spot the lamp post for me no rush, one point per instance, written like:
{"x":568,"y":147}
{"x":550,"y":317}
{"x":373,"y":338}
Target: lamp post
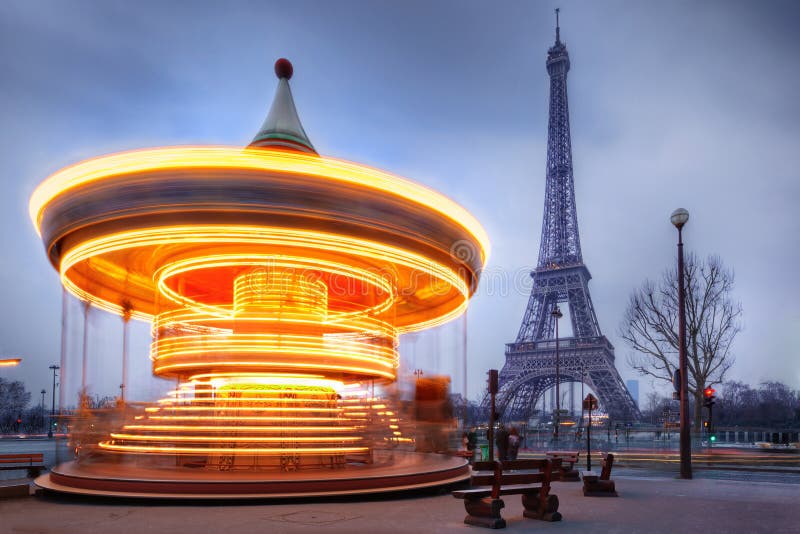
{"x":55,"y":368}
{"x":583,"y":379}
{"x":41,"y":407}
{"x":679,"y":218}
{"x":556,"y":313}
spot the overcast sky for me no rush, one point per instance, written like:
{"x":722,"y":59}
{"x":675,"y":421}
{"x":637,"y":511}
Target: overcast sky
{"x":673,"y":104}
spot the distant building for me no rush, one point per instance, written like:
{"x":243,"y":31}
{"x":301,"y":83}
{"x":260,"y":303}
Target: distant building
{"x":633,"y":389}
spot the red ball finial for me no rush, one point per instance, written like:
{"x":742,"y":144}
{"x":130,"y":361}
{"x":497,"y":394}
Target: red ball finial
{"x":283,"y":68}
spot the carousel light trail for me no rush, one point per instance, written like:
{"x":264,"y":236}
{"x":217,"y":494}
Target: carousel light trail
{"x":233,"y":158}
{"x":276,"y":283}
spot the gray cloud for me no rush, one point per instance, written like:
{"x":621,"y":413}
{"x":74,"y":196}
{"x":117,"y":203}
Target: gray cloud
{"x":672,"y":104}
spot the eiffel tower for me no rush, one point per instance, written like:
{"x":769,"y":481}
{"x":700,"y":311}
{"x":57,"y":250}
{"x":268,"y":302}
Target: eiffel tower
{"x":560,"y":276}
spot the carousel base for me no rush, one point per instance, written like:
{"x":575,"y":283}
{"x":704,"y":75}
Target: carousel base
{"x":392,"y":471}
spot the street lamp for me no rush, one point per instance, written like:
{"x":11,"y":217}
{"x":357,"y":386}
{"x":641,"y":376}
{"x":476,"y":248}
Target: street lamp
{"x":55,"y":368}
{"x":556,"y":313}
{"x":41,"y":407}
{"x":583,"y":379}
{"x":679,"y":218}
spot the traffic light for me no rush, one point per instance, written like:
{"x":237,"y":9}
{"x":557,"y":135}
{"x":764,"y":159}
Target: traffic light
{"x":493,"y":381}
{"x":708,"y":402}
{"x":708,"y":397}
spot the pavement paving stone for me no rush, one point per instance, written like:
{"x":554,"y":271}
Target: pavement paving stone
{"x":647,"y":505}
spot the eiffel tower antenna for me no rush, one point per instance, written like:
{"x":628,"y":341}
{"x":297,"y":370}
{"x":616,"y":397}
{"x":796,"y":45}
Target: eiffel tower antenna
{"x":534,"y":363}
{"x":558,"y":28}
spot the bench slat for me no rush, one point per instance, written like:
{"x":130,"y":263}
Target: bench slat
{"x":522,"y":478}
{"x":17,"y":467}
{"x":513,"y":489}
{"x":33,"y":456}
{"x":483,"y":466}
{"x":508,"y":477}
{"x":525,"y":464}
{"x":482,"y":479}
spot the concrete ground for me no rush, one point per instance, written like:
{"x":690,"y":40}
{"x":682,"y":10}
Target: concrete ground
{"x":644,"y":505}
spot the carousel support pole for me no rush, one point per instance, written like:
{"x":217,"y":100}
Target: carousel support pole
{"x":127,"y":310}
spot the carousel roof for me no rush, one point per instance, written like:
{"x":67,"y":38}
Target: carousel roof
{"x":282,"y":127}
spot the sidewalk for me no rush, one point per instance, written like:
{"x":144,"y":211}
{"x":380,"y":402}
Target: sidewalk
{"x":644,"y":505}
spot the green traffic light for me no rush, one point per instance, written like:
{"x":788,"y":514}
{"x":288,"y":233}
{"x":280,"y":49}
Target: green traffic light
{"x":713,"y":438}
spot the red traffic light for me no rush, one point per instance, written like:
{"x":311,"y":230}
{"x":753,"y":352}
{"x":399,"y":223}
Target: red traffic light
{"x":709,"y":392}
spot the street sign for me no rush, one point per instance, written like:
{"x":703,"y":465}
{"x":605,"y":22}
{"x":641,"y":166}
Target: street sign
{"x":590,"y":402}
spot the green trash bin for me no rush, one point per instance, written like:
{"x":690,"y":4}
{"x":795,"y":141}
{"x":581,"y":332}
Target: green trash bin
{"x":484,"y":452}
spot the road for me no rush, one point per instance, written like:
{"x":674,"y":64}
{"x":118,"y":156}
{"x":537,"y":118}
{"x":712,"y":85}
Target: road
{"x":722,"y":463}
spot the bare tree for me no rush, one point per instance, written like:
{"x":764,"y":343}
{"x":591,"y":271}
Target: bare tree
{"x":772,"y":404}
{"x":650,"y":326}
{"x":13,"y":402}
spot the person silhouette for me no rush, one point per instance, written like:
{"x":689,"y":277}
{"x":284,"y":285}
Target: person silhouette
{"x":501,"y":441}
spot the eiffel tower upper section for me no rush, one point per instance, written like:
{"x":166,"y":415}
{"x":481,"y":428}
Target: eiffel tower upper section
{"x":560,"y":245}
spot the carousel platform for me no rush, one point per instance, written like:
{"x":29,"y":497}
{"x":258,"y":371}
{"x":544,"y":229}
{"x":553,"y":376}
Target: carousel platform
{"x":392,"y":471}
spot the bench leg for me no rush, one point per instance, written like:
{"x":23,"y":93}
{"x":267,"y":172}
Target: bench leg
{"x":484,"y":512}
{"x":600,"y":488}
{"x":535,"y":509}
{"x":34,"y":471}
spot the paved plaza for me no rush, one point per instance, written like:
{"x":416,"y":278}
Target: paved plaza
{"x":643,"y":505}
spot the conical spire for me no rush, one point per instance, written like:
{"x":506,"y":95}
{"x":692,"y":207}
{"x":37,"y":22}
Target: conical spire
{"x":282,"y":127}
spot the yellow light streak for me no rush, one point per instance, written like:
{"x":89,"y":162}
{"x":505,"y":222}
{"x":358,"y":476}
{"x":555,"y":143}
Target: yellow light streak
{"x":219,"y":408}
{"x":224,"y":439}
{"x":379,"y":283}
{"x":246,"y":418}
{"x":230,"y":450}
{"x":242,"y":428}
{"x":179,"y":367}
{"x":222,"y":157}
{"x":271,"y":236}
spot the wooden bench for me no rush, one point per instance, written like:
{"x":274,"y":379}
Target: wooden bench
{"x":568,"y":459}
{"x":491,"y":480}
{"x":33,"y":462}
{"x":602,"y":485}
